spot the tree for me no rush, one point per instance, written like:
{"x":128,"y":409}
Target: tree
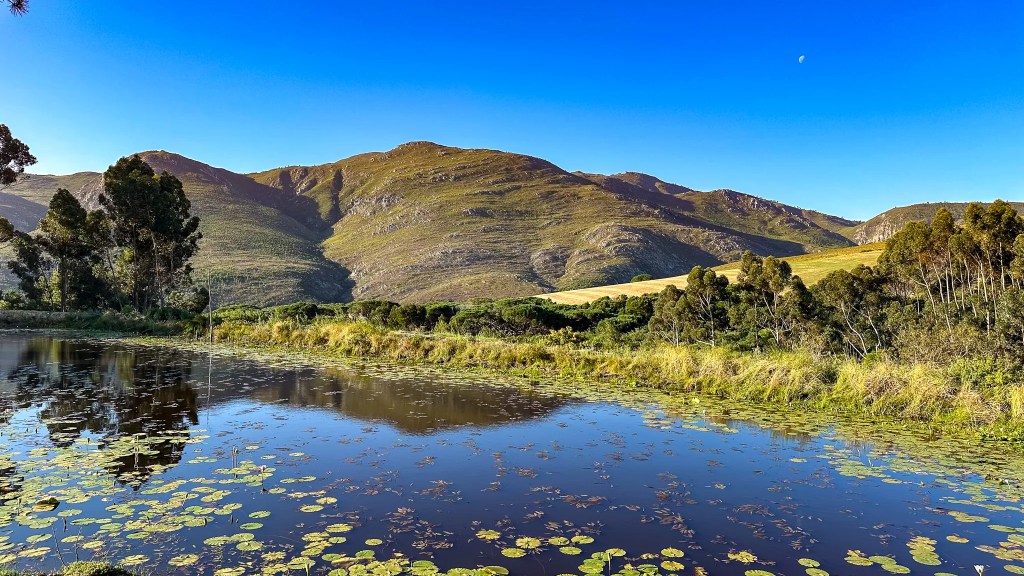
{"x":30,"y":266}
{"x":17,"y":7}
{"x":760,"y":287}
{"x":152,"y":228}
{"x":6,"y":231}
{"x":14,"y":157}
{"x":853,"y":306}
{"x":705,"y":308}
{"x":66,"y":238}
{"x":666,"y":321}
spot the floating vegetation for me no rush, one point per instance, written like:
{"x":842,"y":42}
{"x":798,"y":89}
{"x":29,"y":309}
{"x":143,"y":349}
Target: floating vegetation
{"x":141,"y":455}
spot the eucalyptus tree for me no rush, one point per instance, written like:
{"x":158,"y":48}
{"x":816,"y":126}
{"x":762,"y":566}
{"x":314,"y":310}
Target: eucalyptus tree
{"x":14,"y":157}
{"x":151,"y":229}
{"x":17,"y":7}
{"x":770,"y":299}
{"x":65,"y":235}
{"x":666,"y":322}
{"x":853,"y":305}
{"x":705,"y":306}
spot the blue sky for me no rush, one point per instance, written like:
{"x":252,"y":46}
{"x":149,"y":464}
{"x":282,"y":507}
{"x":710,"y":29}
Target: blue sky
{"x":895,"y":102}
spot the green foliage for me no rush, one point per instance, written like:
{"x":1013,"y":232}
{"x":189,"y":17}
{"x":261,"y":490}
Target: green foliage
{"x":641,"y":278}
{"x":14,"y":156}
{"x":71,"y":240}
{"x":30,"y":266}
{"x":853,"y":309}
{"x":132,"y":255}
{"x":93,"y":568}
{"x":151,"y":226}
{"x":6,"y":230}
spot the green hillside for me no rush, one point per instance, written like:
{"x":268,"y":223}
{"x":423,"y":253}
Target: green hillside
{"x":736,"y":211}
{"x":260,"y":246}
{"x":425,"y":221}
{"x":429,"y":222}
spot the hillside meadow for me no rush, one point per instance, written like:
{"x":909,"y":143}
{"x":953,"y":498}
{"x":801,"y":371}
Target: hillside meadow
{"x":810,"y":267}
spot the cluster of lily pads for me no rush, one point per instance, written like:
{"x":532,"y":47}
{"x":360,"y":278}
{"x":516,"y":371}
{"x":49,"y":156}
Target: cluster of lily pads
{"x":49,"y":489}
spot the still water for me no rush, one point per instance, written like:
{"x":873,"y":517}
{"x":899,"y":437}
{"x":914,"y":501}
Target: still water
{"x":177,"y":462}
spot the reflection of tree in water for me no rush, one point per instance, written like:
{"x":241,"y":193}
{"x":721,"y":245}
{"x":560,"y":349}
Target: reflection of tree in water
{"x":112,"y":392}
{"x":415,"y":406}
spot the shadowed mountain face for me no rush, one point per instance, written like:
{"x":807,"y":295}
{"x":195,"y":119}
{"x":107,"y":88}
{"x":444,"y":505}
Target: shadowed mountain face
{"x":260,"y":245}
{"x":429,"y":222}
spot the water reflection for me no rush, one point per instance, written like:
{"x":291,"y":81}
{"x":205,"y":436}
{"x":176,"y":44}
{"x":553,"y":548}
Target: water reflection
{"x":413,"y":406}
{"x":108,"y":394}
{"x":111,"y":393}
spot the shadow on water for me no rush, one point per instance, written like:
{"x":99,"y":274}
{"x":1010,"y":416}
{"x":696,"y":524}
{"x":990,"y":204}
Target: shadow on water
{"x":109,"y":391}
{"x":194,"y":464}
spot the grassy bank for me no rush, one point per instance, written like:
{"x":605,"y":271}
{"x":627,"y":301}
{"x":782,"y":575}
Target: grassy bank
{"x":93,"y":321}
{"x":76,"y":569}
{"x":962,"y":398}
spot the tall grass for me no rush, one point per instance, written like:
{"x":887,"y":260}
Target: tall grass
{"x":959,"y":397}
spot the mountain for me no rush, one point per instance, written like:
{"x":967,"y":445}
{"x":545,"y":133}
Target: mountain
{"x":260,"y":245}
{"x":882,"y":227}
{"x":738,"y":211}
{"x":425,"y":222}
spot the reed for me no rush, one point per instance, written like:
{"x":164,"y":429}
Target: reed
{"x":957,"y":397}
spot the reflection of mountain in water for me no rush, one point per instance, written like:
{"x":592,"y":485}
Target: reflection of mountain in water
{"x":415,"y":406}
{"x":119,"y":392}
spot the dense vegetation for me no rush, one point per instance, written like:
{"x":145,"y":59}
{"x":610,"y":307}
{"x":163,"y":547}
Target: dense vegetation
{"x":132,"y":255}
{"x":940,"y":292}
{"x":934,"y":332}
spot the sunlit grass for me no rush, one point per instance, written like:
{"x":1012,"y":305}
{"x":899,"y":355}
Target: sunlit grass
{"x":882,"y":388}
{"x":810,"y":267}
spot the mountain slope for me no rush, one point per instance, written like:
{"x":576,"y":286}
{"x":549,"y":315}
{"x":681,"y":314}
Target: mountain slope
{"x":882,"y":227}
{"x":25,"y":204}
{"x":260,"y":246}
{"x":736,"y":211}
{"x":425,"y":221}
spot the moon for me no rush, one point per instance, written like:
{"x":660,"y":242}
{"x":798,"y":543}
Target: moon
{"x":800,"y":60}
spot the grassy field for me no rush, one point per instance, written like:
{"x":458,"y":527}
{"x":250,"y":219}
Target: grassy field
{"x":810,"y":267}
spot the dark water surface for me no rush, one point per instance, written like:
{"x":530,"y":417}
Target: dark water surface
{"x":175,"y":462}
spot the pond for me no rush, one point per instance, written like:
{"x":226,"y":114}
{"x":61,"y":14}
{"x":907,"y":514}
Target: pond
{"x":179,"y":462}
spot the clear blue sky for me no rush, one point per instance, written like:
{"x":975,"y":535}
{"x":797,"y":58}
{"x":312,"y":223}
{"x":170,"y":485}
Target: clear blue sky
{"x":896,"y":101}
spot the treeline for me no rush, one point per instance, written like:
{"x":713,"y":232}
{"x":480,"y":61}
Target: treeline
{"x":941,"y":292}
{"x":131,"y":255}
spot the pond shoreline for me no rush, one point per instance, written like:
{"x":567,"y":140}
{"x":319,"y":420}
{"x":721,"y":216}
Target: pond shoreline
{"x":882,"y":391}
{"x":291,"y":433}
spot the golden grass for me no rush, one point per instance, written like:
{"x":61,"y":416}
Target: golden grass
{"x":810,"y":268}
{"x":836,"y":385}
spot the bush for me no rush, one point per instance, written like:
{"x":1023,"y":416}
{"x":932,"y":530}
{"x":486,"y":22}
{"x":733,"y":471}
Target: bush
{"x":407,"y":317}
{"x":641,"y":278}
{"x":300,"y":312}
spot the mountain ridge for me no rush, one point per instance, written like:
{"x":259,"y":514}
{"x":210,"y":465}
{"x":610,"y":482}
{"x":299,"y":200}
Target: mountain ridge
{"x":424,"y":221}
